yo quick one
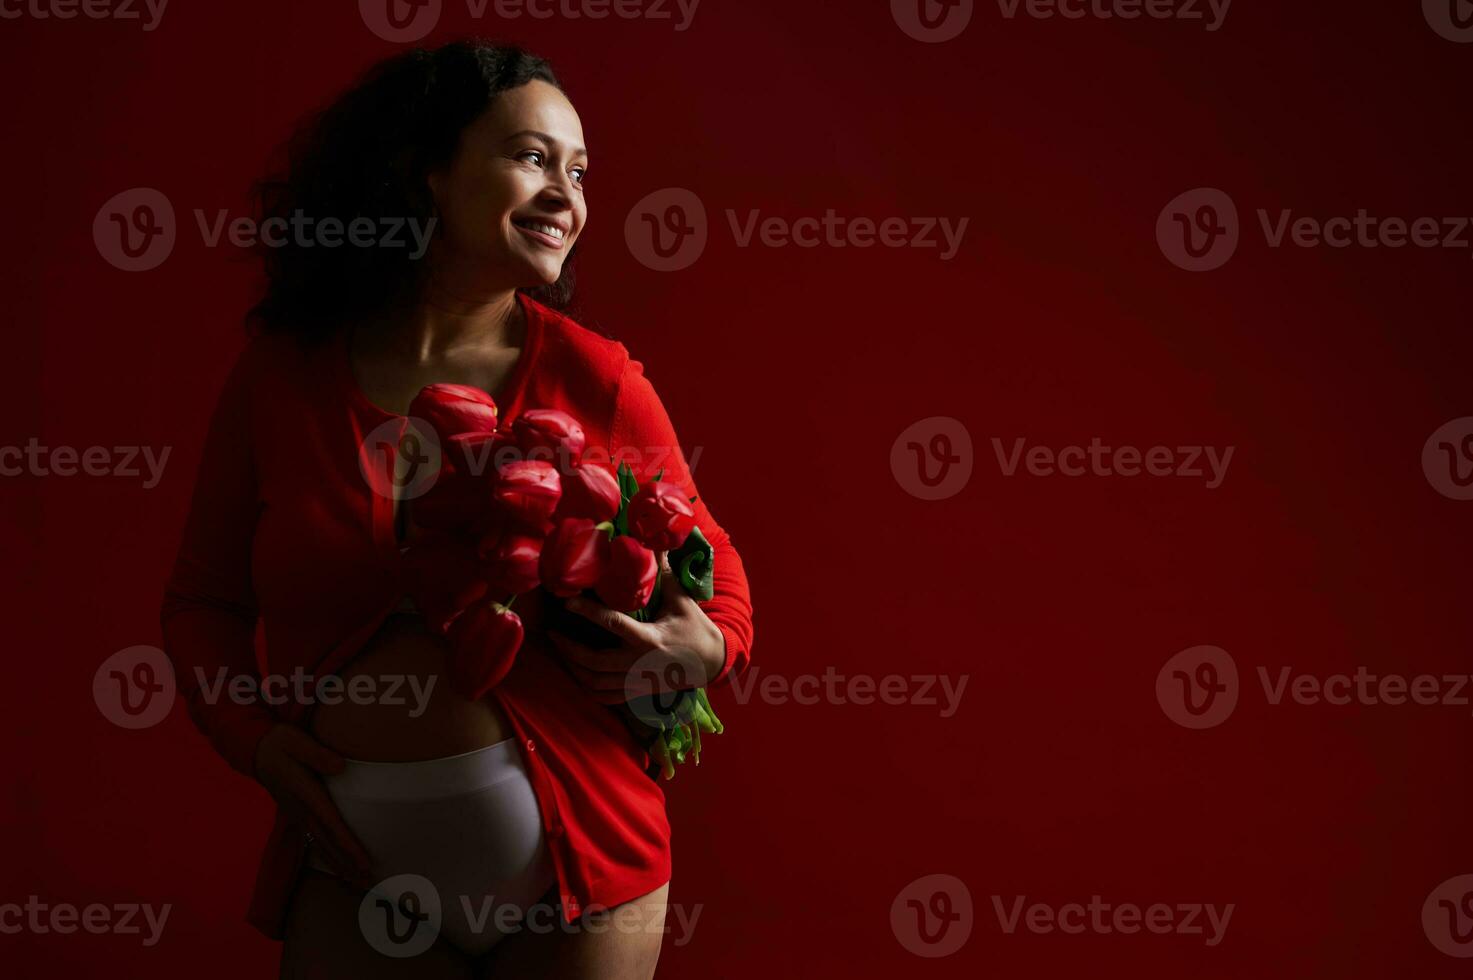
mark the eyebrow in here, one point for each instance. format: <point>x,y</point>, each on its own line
<point>578,151</point>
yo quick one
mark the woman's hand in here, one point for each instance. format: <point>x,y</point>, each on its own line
<point>682,646</point>
<point>290,763</point>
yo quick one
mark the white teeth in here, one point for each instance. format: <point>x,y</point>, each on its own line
<point>545,229</point>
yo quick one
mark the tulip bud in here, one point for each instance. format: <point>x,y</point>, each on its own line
<point>629,576</point>
<point>590,491</point>
<point>573,556</point>
<point>557,434</point>
<point>660,516</point>
<point>512,562</point>
<point>528,492</point>
<point>484,641</point>
<point>454,409</point>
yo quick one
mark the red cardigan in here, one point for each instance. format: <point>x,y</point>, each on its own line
<point>284,526</point>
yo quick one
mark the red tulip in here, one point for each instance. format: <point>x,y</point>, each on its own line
<point>629,576</point>
<point>511,562</point>
<point>461,496</point>
<point>590,491</point>
<point>477,454</point>
<point>550,429</point>
<point>484,641</point>
<point>443,575</point>
<point>454,409</point>
<point>660,516</point>
<point>573,556</point>
<point>528,492</point>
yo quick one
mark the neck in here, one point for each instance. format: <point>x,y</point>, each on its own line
<point>444,324</point>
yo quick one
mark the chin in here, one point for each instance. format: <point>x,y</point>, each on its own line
<point>543,276</point>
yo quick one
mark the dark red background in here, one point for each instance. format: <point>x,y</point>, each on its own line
<point>1060,320</point>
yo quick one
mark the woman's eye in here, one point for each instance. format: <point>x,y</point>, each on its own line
<point>581,174</point>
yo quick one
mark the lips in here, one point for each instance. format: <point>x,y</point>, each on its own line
<point>545,233</point>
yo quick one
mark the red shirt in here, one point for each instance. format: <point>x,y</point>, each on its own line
<point>284,526</point>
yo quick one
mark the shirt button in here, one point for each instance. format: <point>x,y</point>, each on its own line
<point>531,745</point>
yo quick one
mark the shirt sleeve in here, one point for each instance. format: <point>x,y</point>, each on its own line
<point>644,437</point>
<point>208,617</point>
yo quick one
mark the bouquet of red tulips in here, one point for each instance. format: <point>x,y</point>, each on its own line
<point>516,508</point>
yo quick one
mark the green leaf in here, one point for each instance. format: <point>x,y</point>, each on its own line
<point>628,487</point>
<point>695,563</point>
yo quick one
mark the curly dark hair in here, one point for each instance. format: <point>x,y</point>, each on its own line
<point>367,155</point>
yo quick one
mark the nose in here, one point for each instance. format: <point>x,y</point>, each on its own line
<point>558,193</point>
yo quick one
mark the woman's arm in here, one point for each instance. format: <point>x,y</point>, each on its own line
<point>642,432</point>
<point>208,616</point>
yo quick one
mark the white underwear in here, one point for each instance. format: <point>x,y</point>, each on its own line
<point>457,846</point>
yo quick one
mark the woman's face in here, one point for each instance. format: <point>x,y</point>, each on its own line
<point>511,200</point>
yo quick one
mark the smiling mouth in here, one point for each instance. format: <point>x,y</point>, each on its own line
<point>549,236</point>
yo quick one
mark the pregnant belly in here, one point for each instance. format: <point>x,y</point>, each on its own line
<point>405,711</point>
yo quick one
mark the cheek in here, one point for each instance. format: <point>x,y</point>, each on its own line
<point>478,212</point>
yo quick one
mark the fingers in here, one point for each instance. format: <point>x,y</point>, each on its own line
<point>622,626</point>
<point>333,854</point>
<point>611,664</point>
<point>320,808</point>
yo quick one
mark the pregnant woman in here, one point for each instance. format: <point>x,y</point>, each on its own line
<point>421,232</point>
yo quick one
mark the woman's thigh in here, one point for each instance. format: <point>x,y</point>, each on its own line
<point>622,943</point>
<point>324,940</point>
